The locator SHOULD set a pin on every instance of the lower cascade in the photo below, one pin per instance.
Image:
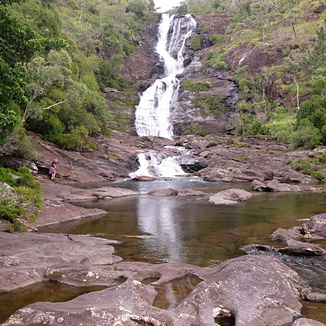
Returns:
(153, 111)
(155, 163)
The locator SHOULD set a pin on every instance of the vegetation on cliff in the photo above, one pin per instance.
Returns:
(276, 51)
(58, 58)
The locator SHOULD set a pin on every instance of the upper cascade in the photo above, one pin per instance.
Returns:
(153, 111)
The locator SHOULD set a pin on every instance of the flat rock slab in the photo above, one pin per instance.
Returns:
(174, 192)
(55, 212)
(59, 192)
(276, 186)
(26, 257)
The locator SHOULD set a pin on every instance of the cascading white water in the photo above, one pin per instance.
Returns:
(153, 111)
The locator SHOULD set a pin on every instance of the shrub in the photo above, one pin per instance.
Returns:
(304, 166)
(306, 136)
(195, 42)
(216, 60)
(20, 197)
(201, 132)
(191, 86)
(247, 124)
(208, 105)
(218, 38)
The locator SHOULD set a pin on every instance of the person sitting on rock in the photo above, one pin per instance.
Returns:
(53, 169)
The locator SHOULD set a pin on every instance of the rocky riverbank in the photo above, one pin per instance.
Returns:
(213, 158)
(250, 290)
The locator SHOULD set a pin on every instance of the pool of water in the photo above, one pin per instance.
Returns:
(193, 230)
(45, 291)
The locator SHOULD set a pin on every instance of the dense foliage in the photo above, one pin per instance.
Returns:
(20, 197)
(55, 61)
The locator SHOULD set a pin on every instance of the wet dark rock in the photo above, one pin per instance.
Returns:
(230, 197)
(143, 178)
(194, 166)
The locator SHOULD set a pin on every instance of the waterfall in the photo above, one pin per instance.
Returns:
(153, 111)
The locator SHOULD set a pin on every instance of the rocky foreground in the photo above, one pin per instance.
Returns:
(253, 289)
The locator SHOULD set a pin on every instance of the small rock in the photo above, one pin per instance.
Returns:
(230, 196)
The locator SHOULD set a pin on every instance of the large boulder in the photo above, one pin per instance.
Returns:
(315, 226)
(258, 290)
(111, 306)
(313, 229)
(230, 197)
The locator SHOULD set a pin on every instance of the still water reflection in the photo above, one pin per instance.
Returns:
(190, 229)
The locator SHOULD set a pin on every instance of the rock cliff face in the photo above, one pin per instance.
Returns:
(188, 116)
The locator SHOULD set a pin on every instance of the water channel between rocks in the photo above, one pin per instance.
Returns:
(192, 230)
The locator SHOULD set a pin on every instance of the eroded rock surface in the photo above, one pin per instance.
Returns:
(26, 257)
(256, 290)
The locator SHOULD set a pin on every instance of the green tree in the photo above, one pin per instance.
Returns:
(18, 43)
(317, 57)
(43, 73)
